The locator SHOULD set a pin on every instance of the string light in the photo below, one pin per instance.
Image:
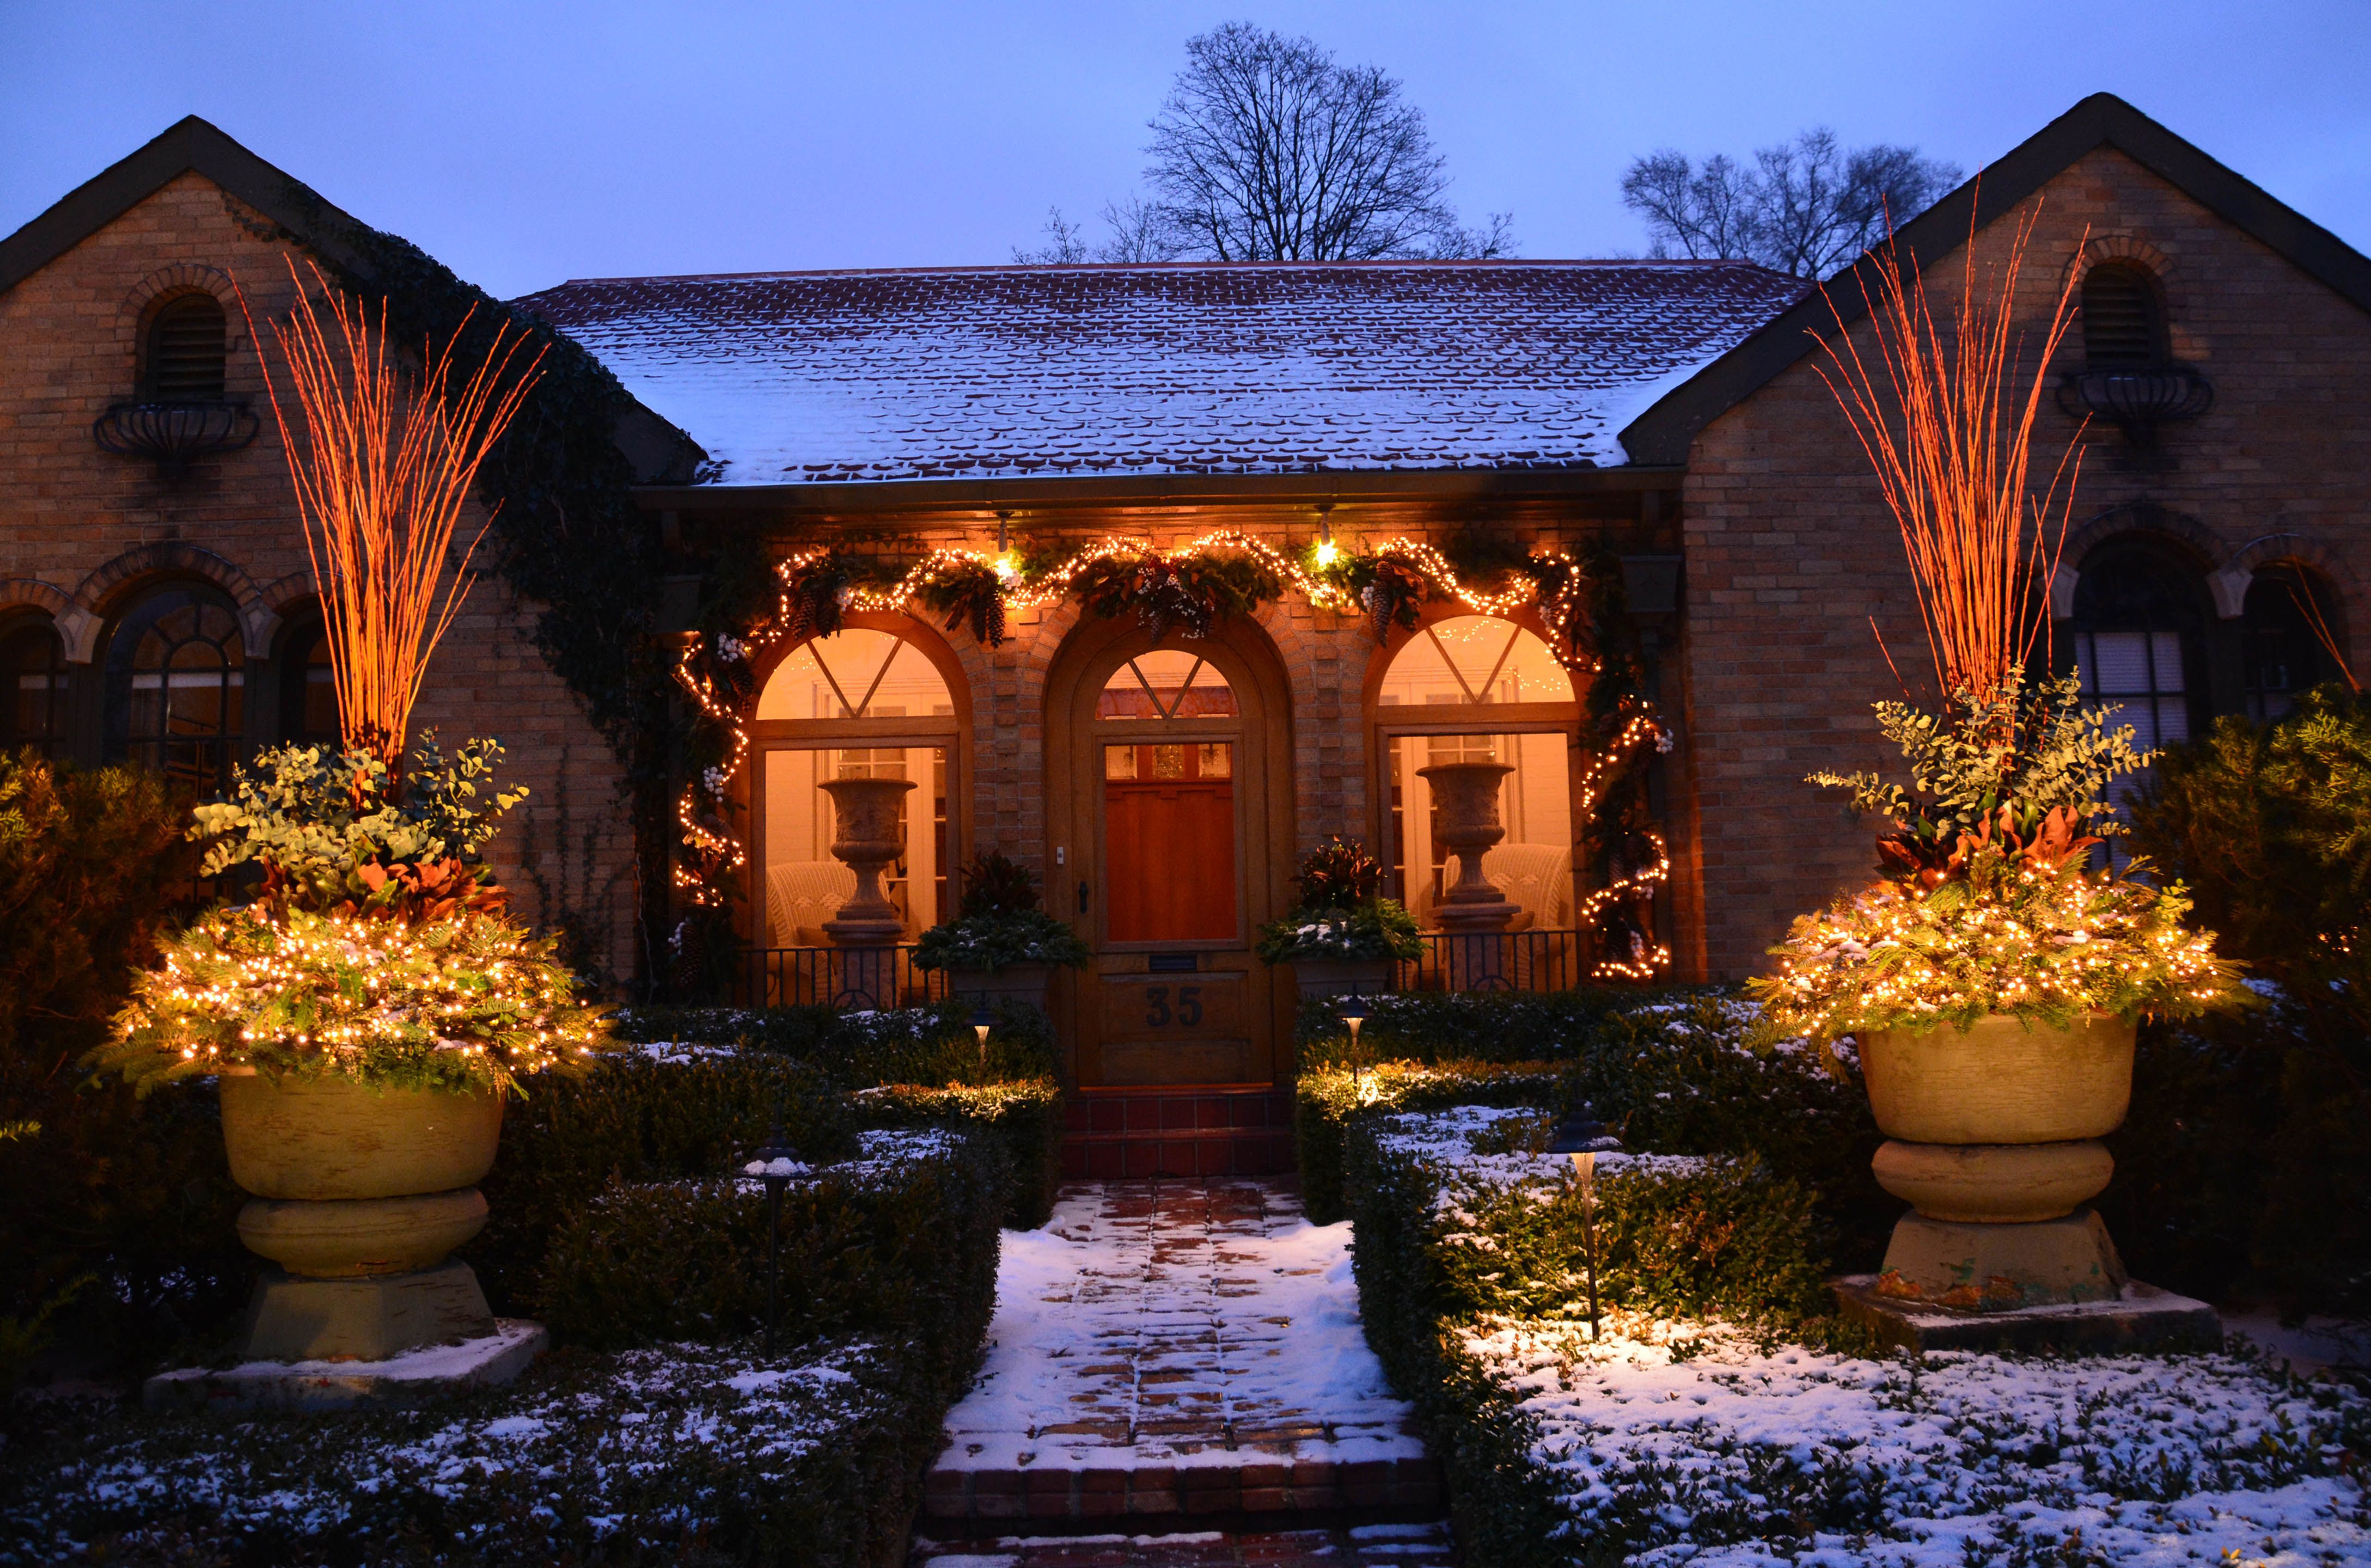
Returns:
(286, 987)
(1561, 609)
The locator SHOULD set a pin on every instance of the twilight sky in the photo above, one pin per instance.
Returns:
(524, 144)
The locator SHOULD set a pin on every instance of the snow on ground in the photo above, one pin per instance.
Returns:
(1164, 1324)
(1694, 1446)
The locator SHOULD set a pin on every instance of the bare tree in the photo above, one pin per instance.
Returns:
(1138, 232)
(1266, 149)
(1806, 207)
(1065, 244)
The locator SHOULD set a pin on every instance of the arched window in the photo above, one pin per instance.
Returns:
(2283, 623)
(32, 689)
(2122, 323)
(2140, 617)
(866, 702)
(309, 691)
(188, 344)
(1472, 688)
(177, 687)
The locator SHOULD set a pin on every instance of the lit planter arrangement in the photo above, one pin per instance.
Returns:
(367, 1016)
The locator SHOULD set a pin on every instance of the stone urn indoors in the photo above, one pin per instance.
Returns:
(1994, 1141)
(360, 1194)
(868, 834)
(1466, 795)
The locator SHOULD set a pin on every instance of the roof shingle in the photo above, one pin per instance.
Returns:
(1014, 372)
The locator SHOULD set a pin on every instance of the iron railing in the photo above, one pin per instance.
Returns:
(1494, 961)
(876, 979)
(852, 979)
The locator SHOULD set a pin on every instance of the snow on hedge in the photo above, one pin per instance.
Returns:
(633, 1448)
(1689, 1444)
(1497, 1147)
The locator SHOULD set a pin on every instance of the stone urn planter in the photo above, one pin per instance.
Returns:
(1994, 1142)
(1466, 797)
(360, 1194)
(1323, 979)
(868, 834)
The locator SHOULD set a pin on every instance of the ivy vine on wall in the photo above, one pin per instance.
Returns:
(568, 537)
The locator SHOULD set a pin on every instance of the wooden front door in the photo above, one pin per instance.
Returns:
(1163, 819)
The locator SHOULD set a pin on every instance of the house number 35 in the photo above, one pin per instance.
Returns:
(1158, 1014)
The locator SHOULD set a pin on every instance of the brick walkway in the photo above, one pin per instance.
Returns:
(1175, 1354)
(1368, 1546)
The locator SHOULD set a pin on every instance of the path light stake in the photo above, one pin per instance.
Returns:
(1352, 1010)
(1581, 1135)
(982, 1021)
(772, 1166)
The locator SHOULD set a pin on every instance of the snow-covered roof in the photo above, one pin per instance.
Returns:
(985, 372)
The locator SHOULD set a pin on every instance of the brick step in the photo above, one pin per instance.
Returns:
(1274, 1491)
(1285, 1543)
(1225, 1130)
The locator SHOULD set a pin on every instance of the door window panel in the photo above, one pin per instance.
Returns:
(1166, 684)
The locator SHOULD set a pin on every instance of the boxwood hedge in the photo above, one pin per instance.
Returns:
(643, 1452)
(1443, 1240)
(1668, 1070)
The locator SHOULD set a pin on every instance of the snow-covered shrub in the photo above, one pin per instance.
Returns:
(638, 1118)
(1670, 1070)
(899, 1243)
(1326, 1095)
(1488, 1224)
(1670, 1443)
(1025, 1116)
(1444, 1230)
(675, 1453)
(932, 1045)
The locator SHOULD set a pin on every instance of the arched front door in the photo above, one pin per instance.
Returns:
(1170, 823)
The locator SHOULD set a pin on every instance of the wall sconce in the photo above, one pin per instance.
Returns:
(1006, 566)
(1326, 552)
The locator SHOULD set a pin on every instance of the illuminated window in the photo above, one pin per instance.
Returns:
(859, 704)
(1468, 671)
(1474, 660)
(855, 673)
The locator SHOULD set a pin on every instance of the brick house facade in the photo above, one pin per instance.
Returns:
(1731, 456)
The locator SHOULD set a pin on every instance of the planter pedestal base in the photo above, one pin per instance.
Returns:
(2139, 1317)
(291, 1319)
(1967, 1267)
(416, 1375)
